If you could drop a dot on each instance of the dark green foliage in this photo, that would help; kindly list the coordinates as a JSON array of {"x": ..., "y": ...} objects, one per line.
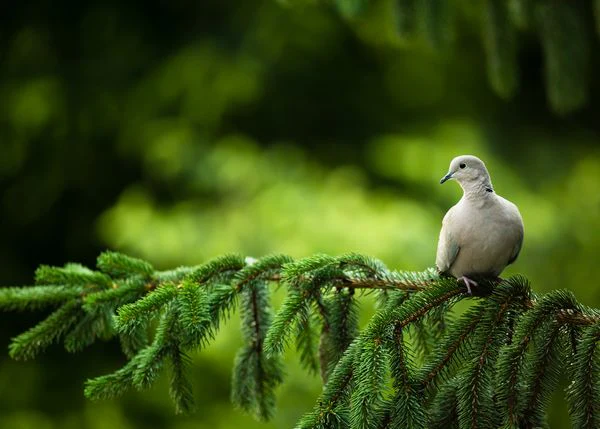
[
  {"x": 361, "y": 372},
  {"x": 152, "y": 358},
  {"x": 584, "y": 391},
  {"x": 370, "y": 375},
  {"x": 540, "y": 376},
  {"x": 443, "y": 411},
  {"x": 560, "y": 26},
  {"x": 135, "y": 340},
  {"x": 112, "y": 385},
  {"x": 514, "y": 359},
  {"x": 307, "y": 340},
  {"x": 454, "y": 345},
  {"x": 123, "y": 292},
  {"x": 597, "y": 15},
  {"x": 331, "y": 410},
  {"x": 89, "y": 327},
  {"x": 35, "y": 340},
  {"x": 521, "y": 12},
  {"x": 70, "y": 274},
  {"x": 476, "y": 406},
  {"x": 414, "y": 365},
  {"x": 406, "y": 407},
  {"x": 36, "y": 297},
  {"x": 130, "y": 316},
  {"x": 180, "y": 387},
  {"x": 119, "y": 265},
  {"x": 283, "y": 322},
  {"x": 406, "y": 17},
  {"x": 437, "y": 22},
  {"x": 304, "y": 279},
  {"x": 500, "y": 41},
  {"x": 217, "y": 270},
  {"x": 565, "y": 42},
  {"x": 342, "y": 311},
  {"x": 351, "y": 8},
  {"x": 194, "y": 313},
  {"x": 256, "y": 375}
]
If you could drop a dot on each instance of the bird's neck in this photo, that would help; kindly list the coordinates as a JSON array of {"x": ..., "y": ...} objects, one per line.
[{"x": 477, "y": 189}]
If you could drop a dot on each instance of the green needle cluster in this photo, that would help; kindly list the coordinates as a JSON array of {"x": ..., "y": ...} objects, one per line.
[{"x": 418, "y": 363}]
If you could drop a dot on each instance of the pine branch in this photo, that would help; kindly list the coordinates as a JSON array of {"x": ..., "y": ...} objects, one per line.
[
  {"x": 343, "y": 328},
  {"x": 194, "y": 314},
  {"x": 304, "y": 279},
  {"x": 151, "y": 359},
  {"x": 426, "y": 333},
  {"x": 338, "y": 385},
  {"x": 256, "y": 375},
  {"x": 416, "y": 307},
  {"x": 206, "y": 298},
  {"x": 443, "y": 411},
  {"x": 89, "y": 328},
  {"x": 540, "y": 376},
  {"x": 293, "y": 306},
  {"x": 219, "y": 270},
  {"x": 584, "y": 391},
  {"x": 123, "y": 292},
  {"x": 135, "y": 340},
  {"x": 370, "y": 382},
  {"x": 117, "y": 265},
  {"x": 36, "y": 297},
  {"x": 405, "y": 410},
  {"x": 266, "y": 268},
  {"x": 513, "y": 357},
  {"x": 37, "y": 339},
  {"x": 476, "y": 407},
  {"x": 130, "y": 316},
  {"x": 496, "y": 364},
  {"x": 329, "y": 412},
  {"x": 112, "y": 385},
  {"x": 307, "y": 340},
  {"x": 456, "y": 339},
  {"x": 180, "y": 388},
  {"x": 361, "y": 273},
  {"x": 72, "y": 275}
]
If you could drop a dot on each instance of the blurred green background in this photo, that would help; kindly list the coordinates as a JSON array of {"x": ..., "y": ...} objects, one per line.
[{"x": 178, "y": 131}]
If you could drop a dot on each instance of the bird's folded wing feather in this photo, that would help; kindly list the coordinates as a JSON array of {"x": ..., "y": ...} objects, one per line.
[
  {"x": 448, "y": 247},
  {"x": 516, "y": 250}
]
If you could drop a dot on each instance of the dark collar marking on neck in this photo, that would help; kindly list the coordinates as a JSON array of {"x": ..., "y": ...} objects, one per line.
[{"x": 489, "y": 189}]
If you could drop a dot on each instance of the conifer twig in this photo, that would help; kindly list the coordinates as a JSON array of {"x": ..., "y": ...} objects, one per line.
[{"x": 504, "y": 350}]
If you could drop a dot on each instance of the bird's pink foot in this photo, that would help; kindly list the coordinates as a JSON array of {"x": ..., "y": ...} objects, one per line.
[{"x": 468, "y": 283}]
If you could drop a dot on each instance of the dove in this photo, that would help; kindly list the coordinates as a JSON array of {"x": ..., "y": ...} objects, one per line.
[{"x": 483, "y": 232}]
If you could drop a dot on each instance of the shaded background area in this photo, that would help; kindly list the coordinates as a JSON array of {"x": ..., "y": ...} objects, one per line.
[{"x": 178, "y": 131}]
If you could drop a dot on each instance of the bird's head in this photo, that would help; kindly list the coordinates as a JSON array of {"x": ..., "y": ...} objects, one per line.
[{"x": 467, "y": 169}]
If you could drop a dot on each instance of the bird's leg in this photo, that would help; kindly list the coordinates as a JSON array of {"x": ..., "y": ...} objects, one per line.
[{"x": 468, "y": 283}]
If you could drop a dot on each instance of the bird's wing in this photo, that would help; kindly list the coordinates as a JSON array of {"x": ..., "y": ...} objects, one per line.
[
  {"x": 448, "y": 247},
  {"x": 515, "y": 228},
  {"x": 516, "y": 250}
]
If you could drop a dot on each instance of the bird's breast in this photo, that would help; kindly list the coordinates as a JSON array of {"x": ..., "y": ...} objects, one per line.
[{"x": 487, "y": 240}]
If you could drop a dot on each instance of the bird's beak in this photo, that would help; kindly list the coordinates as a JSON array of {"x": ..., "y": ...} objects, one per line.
[{"x": 446, "y": 177}]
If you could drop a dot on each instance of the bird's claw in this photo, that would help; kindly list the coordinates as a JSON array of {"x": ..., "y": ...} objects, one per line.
[{"x": 468, "y": 283}]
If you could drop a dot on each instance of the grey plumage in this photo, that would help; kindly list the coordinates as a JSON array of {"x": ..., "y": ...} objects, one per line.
[{"x": 483, "y": 232}]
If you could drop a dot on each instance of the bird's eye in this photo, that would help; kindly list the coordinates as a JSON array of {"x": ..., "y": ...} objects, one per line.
[{"x": 462, "y": 165}]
